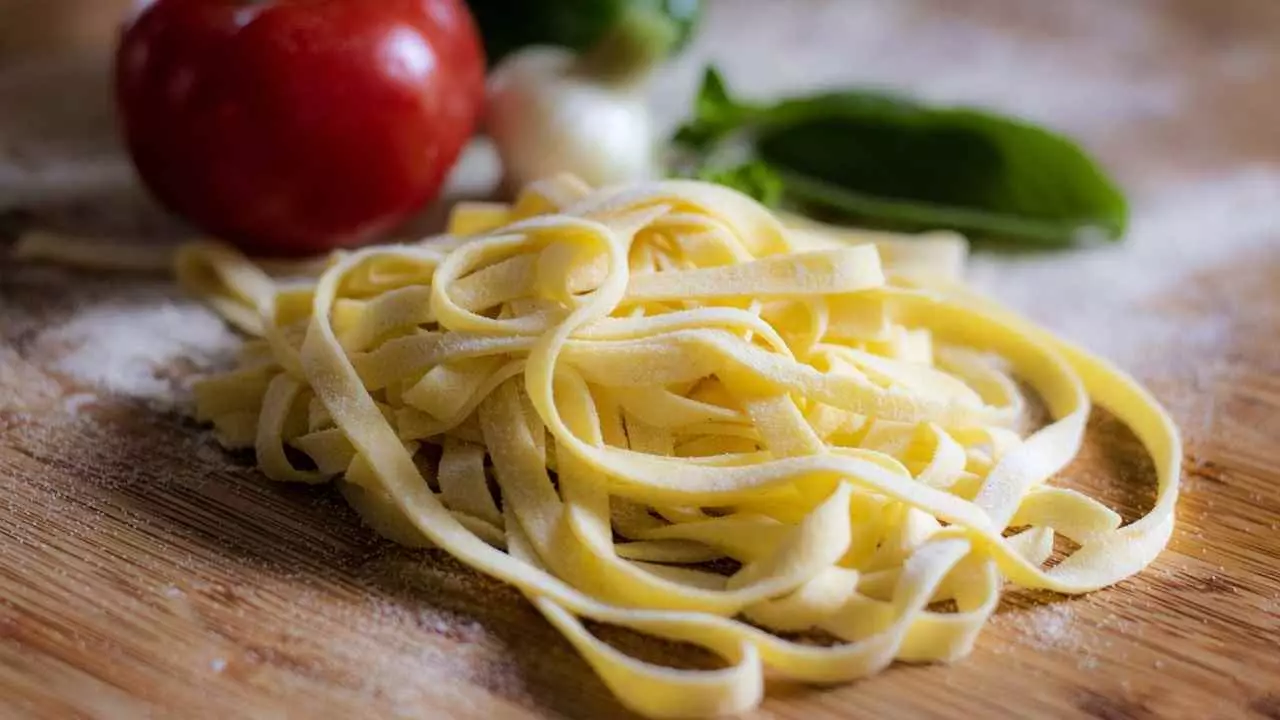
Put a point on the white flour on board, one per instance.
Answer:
(1044, 627)
(137, 347)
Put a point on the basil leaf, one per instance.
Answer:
(882, 160)
(755, 179)
(716, 115)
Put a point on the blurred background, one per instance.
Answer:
(1158, 87)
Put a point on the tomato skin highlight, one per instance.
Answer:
(291, 127)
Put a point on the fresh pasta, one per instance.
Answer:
(662, 408)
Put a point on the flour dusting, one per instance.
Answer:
(1051, 627)
(137, 348)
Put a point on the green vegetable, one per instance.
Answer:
(885, 161)
(508, 25)
(753, 178)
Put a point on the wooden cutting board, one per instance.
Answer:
(143, 572)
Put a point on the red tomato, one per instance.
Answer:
(291, 127)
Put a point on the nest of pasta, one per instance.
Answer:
(592, 395)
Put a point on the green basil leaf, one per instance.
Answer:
(975, 171)
(834, 203)
(716, 115)
(755, 179)
(881, 160)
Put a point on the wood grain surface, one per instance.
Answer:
(145, 573)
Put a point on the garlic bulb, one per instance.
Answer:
(546, 119)
(552, 112)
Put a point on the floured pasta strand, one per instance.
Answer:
(590, 394)
(41, 245)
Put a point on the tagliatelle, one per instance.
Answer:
(662, 375)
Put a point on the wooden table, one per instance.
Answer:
(145, 572)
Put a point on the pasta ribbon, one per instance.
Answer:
(661, 407)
